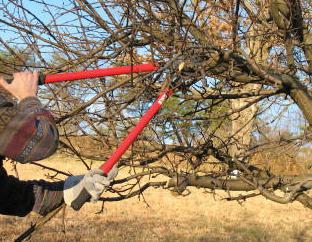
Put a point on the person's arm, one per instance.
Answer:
(27, 130)
(18, 198)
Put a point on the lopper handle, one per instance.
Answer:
(131, 137)
(87, 74)
(112, 71)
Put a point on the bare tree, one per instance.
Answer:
(247, 64)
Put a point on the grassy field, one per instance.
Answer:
(163, 217)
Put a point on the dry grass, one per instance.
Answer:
(197, 217)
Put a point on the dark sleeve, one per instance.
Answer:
(27, 130)
(18, 198)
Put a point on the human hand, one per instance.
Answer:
(24, 84)
(89, 187)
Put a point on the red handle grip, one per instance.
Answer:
(112, 71)
(122, 148)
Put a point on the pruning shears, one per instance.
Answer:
(145, 119)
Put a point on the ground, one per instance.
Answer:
(163, 217)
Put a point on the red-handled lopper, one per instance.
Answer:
(145, 119)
